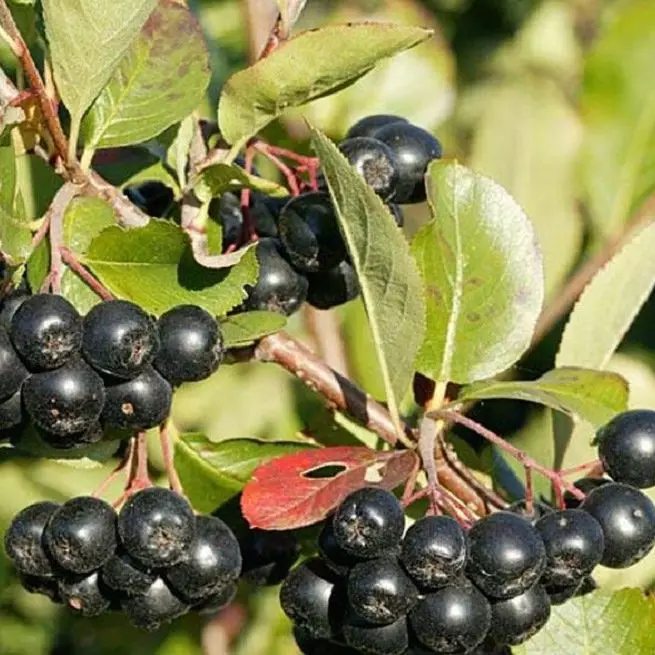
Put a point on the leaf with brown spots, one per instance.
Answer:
(302, 489)
(483, 274)
(160, 80)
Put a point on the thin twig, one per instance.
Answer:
(168, 457)
(71, 261)
(325, 330)
(123, 465)
(54, 218)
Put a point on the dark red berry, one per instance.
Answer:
(515, 620)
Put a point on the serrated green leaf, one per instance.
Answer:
(213, 472)
(243, 329)
(618, 163)
(609, 304)
(513, 145)
(215, 180)
(598, 624)
(483, 276)
(595, 396)
(390, 283)
(307, 67)
(154, 267)
(86, 42)
(160, 80)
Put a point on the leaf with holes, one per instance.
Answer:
(597, 624)
(595, 396)
(483, 274)
(160, 80)
(243, 329)
(304, 68)
(211, 472)
(215, 180)
(302, 489)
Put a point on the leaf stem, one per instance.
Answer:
(87, 158)
(122, 466)
(169, 458)
(71, 261)
(289, 175)
(55, 221)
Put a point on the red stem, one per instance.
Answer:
(290, 176)
(595, 466)
(529, 491)
(124, 464)
(249, 232)
(69, 259)
(169, 459)
(410, 485)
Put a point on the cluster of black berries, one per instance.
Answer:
(155, 560)
(443, 589)
(74, 377)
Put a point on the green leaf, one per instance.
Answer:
(160, 80)
(290, 11)
(390, 283)
(618, 109)
(597, 624)
(212, 472)
(609, 304)
(7, 179)
(483, 276)
(215, 180)
(243, 329)
(309, 66)
(154, 267)
(86, 42)
(595, 396)
(15, 239)
(513, 145)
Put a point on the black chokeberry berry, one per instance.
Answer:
(120, 339)
(414, 148)
(506, 556)
(310, 598)
(152, 197)
(24, 540)
(71, 441)
(434, 551)
(191, 344)
(124, 574)
(574, 545)
(279, 287)
(532, 514)
(308, 645)
(46, 331)
(369, 125)
(227, 210)
(48, 587)
(12, 371)
(626, 447)
(370, 639)
(267, 555)
(559, 594)
(140, 403)
(11, 412)
(336, 558)
(264, 213)
(627, 518)
(156, 606)
(156, 526)
(210, 562)
(368, 522)
(217, 600)
(515, 620)
(454, 619)
(374, 161)
(81, 534)
(10, 303)
(86, 595)
(333, 287)
(66, 401)
(310, 233)
(380, 592)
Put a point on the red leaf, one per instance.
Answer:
(293, 491)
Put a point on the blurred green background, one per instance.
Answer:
(552, 98)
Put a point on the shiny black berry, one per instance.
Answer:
(310, 233)
(574, 545)
(267, 555)
(12, 371)
(138, 404)
(333, 287)
(217, 600)
(46, 331)
(308, 645)
(627, 518)
(66, 401)
(626, 447)
(414, 148)
(11, 412)
(152, 197)
(24, 540)
(434, 551)
(85, 595)
(368, 522)
(336, 558)
(559, 594)
(124, 574)
(210, 562)
(48, 587)
(369, 125)
(586, 485)
(506, 556)
(156, 606)
(380, 592)
(454, 619)
(515, 620)
(532, 514)
(227, 211)
(370, 639)
(70, 441)
(191, 344)
(81, 534)
(309, 597)
(264, 213)
(10, 303)
(156, 526)
(375, 162)
(279, 287)
(120, 339)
